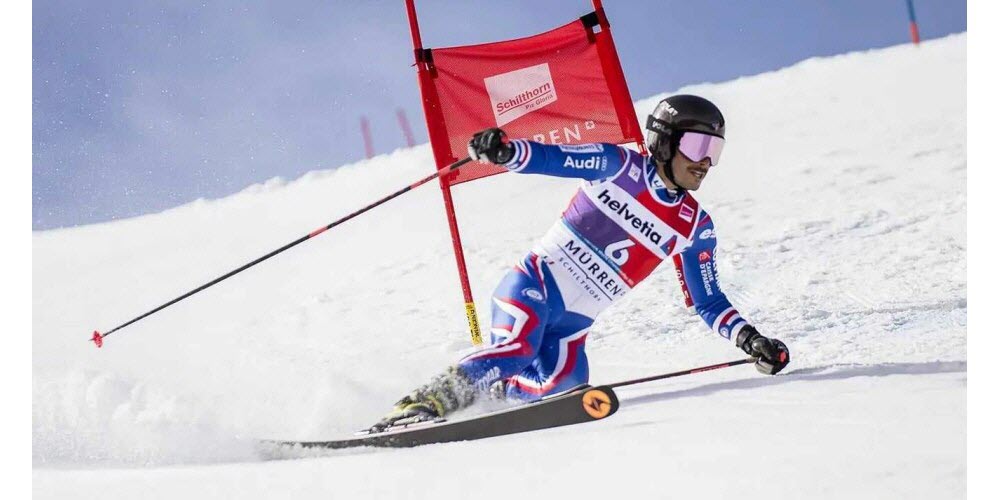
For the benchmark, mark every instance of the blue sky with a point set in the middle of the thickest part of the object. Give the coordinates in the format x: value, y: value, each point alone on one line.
x: 141, y: 106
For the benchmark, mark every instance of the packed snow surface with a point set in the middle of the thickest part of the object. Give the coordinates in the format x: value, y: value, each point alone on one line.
x: 841, y: 213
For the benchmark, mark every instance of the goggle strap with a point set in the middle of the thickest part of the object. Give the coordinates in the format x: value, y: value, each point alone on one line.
x: 657, y: 125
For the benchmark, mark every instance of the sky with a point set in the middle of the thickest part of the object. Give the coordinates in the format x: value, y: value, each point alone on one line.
x: 142, y: 106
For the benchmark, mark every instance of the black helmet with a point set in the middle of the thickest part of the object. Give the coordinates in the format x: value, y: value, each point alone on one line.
x: 677, y: 114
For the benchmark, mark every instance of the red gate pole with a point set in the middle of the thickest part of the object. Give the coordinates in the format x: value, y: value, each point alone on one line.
x: 405, y: 125
x: 914, y: 30
x: 438, y: 133
x: 366, y: 134
x: 613, y: 72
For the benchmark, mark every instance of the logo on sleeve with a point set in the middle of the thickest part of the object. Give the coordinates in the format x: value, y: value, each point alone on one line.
x: 533, y: 294
x: 519, y: 92
x: 707, y: 271
x: 634, y: 172
x: 592, y: 163
x: 581, y: 148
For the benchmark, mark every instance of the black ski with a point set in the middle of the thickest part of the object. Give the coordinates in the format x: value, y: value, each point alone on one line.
x: 584, y: 404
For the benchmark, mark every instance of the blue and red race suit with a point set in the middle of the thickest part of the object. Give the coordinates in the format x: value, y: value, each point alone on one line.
x: 620, y: 225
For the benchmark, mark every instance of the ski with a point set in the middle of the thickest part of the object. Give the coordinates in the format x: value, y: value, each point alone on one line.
x: 579, y: 405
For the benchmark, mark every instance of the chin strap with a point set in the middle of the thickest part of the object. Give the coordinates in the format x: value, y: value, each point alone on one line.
x: 668, y: 170
x: 670, y: 176
x: 669, y: 173
x: 675, y: 144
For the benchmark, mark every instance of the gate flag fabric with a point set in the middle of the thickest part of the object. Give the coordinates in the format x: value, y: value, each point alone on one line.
x: 564, y: 86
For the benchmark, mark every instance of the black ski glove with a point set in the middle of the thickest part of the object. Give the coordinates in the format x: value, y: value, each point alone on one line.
x: 491, y: 145
x: 772, y: 354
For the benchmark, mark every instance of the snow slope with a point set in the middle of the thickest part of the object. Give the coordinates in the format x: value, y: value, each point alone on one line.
x: 841, y: 214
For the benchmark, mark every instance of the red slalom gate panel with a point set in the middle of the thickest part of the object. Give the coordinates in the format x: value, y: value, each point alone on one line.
x: 564, y: 86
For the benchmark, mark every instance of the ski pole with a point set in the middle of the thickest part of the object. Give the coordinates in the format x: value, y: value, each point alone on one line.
x: 685, y: 372
x: 98, y: 337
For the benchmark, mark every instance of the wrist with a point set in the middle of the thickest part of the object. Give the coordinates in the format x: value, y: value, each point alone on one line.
x: 504, y: 154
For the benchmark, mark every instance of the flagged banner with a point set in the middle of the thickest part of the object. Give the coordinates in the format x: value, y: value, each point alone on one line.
x: 564, y: 86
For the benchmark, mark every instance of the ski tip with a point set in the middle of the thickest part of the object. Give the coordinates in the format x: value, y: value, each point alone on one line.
x: 97, y: 339
x: 599, y: 402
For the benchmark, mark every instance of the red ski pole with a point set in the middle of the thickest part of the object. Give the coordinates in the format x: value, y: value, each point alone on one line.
x: 98, y: 337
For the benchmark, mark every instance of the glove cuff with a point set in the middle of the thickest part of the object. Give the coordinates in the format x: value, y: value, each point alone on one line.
x: 744, y: 339
x: 504, y: 154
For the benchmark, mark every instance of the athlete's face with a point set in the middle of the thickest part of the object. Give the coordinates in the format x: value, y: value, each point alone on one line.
x: 688, y: 174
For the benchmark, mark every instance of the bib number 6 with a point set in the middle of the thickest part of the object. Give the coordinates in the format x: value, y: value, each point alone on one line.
x: 618, y: 251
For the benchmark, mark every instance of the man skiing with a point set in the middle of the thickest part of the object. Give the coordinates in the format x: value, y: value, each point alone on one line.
x: 630, y: 214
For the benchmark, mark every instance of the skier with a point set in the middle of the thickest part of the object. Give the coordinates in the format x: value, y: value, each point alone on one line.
x: 630, y: 214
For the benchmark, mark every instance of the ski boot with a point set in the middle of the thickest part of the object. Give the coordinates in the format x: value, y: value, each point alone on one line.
x: 445, y: 394
x: 498, y: 390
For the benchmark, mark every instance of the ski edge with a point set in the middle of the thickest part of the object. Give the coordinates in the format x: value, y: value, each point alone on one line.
x: 579, y: 405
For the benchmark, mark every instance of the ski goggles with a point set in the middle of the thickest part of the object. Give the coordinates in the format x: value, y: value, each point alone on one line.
x: 697, y: 146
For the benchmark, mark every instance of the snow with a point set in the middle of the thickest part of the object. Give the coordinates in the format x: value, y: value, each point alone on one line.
x: 841, y: 213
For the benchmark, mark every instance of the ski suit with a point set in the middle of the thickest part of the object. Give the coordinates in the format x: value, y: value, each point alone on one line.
x: 619, y: 226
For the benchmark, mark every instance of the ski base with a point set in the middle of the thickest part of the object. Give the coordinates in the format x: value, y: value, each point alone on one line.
x: 583, y: 404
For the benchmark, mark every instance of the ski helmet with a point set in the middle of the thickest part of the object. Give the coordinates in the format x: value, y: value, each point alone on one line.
x: 675, y: 115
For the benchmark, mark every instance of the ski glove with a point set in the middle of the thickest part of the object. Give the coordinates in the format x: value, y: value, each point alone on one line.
x: 772, y: 354
x: 491, y: 145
